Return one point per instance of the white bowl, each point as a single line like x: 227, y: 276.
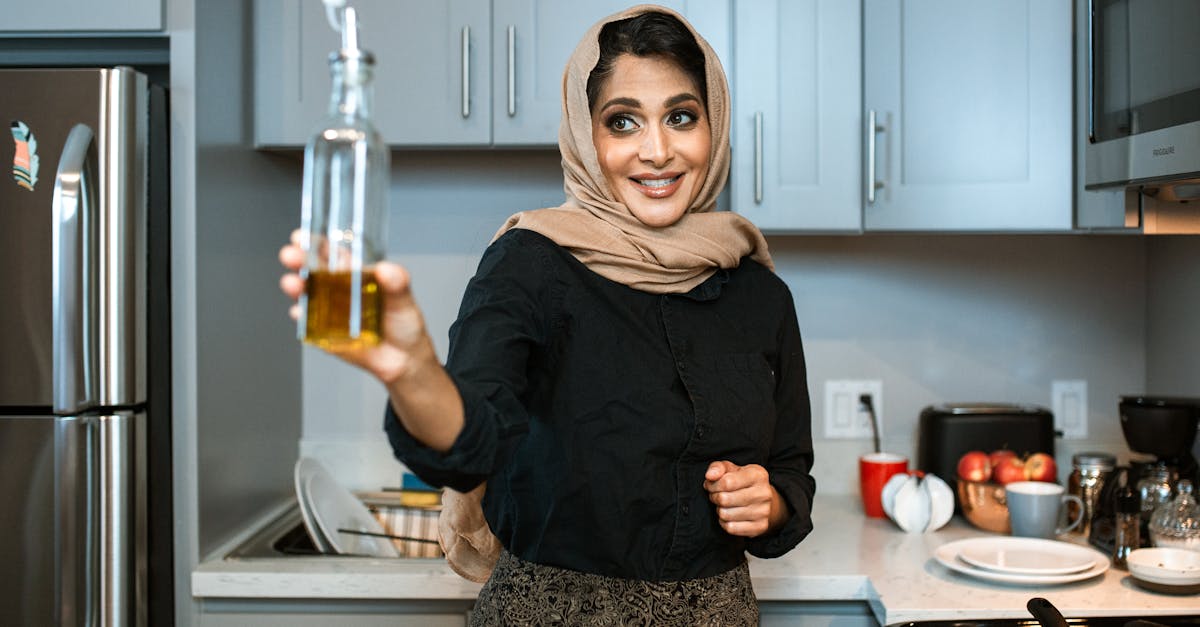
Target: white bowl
x: 1165, y: 565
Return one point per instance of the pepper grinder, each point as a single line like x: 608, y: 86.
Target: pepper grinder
x: 1128, y: 525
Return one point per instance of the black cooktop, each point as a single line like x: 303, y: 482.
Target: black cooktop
x: 1096, y: 621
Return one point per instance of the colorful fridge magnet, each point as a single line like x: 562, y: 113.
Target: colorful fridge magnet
x: 25, y: 160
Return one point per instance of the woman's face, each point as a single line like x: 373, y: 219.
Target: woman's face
x: 652, y: 138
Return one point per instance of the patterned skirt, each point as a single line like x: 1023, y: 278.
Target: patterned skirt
x: 524, y: 593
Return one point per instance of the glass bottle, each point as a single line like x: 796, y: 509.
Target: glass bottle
x: 1154, y: 488
x: 1177, y: 523
x: 1088, y: 474
x: 344, y: 212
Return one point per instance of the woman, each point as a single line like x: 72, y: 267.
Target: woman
x: 626, y: 372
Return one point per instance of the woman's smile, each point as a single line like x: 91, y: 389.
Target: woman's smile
x: 652, y: 138
x: 658, y: 185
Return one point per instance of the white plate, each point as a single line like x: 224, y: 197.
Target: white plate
x: 1165, y: 565
x: 305, y: 468
x: 1027, y: 556
x: 947, y: 555
x: 334, y: 508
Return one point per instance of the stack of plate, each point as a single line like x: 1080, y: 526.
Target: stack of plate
x: 1029, y: 561
x: 335, y: 519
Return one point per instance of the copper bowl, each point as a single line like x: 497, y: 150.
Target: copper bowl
x: 983, y: 505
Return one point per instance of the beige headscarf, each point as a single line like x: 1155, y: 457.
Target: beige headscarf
x: 602, y: 233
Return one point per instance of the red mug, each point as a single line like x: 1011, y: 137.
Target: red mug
x: 874, y: 470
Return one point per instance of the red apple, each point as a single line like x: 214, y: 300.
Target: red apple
x: 1009, y: 470
x: 997, y: 455
x: 1041, y: 467
x: 974, y: 466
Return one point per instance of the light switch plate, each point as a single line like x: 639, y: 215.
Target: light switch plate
x: 1068, y: 401
x: 845, y: 417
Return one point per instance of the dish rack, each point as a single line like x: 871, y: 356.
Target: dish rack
x: 411, y: 517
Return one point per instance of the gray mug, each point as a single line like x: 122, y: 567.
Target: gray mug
x: 1036, y: 507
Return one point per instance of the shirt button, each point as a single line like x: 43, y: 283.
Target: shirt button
x: 684, y: 509
x: 679, y: 364
x: 700, y: 433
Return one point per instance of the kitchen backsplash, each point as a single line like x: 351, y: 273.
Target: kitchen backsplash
x: 936, y: 318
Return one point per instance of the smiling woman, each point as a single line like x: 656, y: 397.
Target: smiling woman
x: 624, y: 403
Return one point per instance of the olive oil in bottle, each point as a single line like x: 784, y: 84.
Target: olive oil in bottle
x: 343, y: 309
x: 344, y: 208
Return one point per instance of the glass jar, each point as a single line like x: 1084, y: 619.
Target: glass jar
x: 1088, y: 474
x: 344, y: 212
x: 1155, y: 487
x: 1177, y: 523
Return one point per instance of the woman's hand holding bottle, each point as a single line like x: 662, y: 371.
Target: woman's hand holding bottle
x: 405, y: 359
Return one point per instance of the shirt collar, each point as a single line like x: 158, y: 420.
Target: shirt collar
x: 710, y: 289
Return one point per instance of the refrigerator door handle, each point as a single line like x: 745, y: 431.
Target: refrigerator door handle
x: 74, y: 276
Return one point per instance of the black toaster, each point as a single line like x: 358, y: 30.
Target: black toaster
x: 949, y: 430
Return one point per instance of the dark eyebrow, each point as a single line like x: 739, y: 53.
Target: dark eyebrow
x: 628, y: 102
x: 680, y: 99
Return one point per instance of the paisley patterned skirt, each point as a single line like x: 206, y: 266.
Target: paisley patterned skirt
x: 524, y: 593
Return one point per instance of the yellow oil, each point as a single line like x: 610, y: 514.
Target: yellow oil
x: 330, y: 310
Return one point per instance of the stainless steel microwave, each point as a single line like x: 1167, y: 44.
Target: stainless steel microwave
x: 1143, y: 97
x: 1143, y: 106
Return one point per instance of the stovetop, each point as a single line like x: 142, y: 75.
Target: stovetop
x: 1100, y: 621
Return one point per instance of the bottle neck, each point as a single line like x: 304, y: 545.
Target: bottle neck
x: 352, y: 95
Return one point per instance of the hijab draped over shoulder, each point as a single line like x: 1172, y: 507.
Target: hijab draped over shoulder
x: 601, y: 232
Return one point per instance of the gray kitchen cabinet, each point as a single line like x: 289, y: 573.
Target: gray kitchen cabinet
x: 815, y: 613
x: 531, y: 41
x: 796, y: 114
x: 509, y: 93
x: 333, y: 613
x: 92, y: 16
x: 432, y: 76
x: 973, y: 111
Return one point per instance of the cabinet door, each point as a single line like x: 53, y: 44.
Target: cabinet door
x: 973, y: 109
x: 425, y: 93
x: 83, y: 16
x: 531, y: 42
x: 796, y: 114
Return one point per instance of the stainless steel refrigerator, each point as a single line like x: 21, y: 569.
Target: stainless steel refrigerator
x: 85, y: 467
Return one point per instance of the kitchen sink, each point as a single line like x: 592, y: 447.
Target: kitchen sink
x: 286, y: 536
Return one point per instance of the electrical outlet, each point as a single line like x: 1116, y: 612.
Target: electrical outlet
x: 1068, y: 401
x: 845, y: 417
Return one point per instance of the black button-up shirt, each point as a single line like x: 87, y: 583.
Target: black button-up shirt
x: 593, y: 410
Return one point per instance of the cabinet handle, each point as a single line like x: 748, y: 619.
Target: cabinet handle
x: 512, y: 70
x: 758, y: 157
x: 872, y: 130
x: 466, y: 71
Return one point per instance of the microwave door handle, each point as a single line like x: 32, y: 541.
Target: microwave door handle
x: 1091, y: 71
x: 74, y: 274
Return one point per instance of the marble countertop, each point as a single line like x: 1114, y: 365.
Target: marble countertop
x: 847, y: 558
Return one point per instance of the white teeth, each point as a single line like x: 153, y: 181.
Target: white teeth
x: 657, y: 182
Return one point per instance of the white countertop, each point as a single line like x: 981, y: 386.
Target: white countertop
x: 848, y: 557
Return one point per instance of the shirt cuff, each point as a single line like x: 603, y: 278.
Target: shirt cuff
x: 463, y: 467
x: 793, y: 531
